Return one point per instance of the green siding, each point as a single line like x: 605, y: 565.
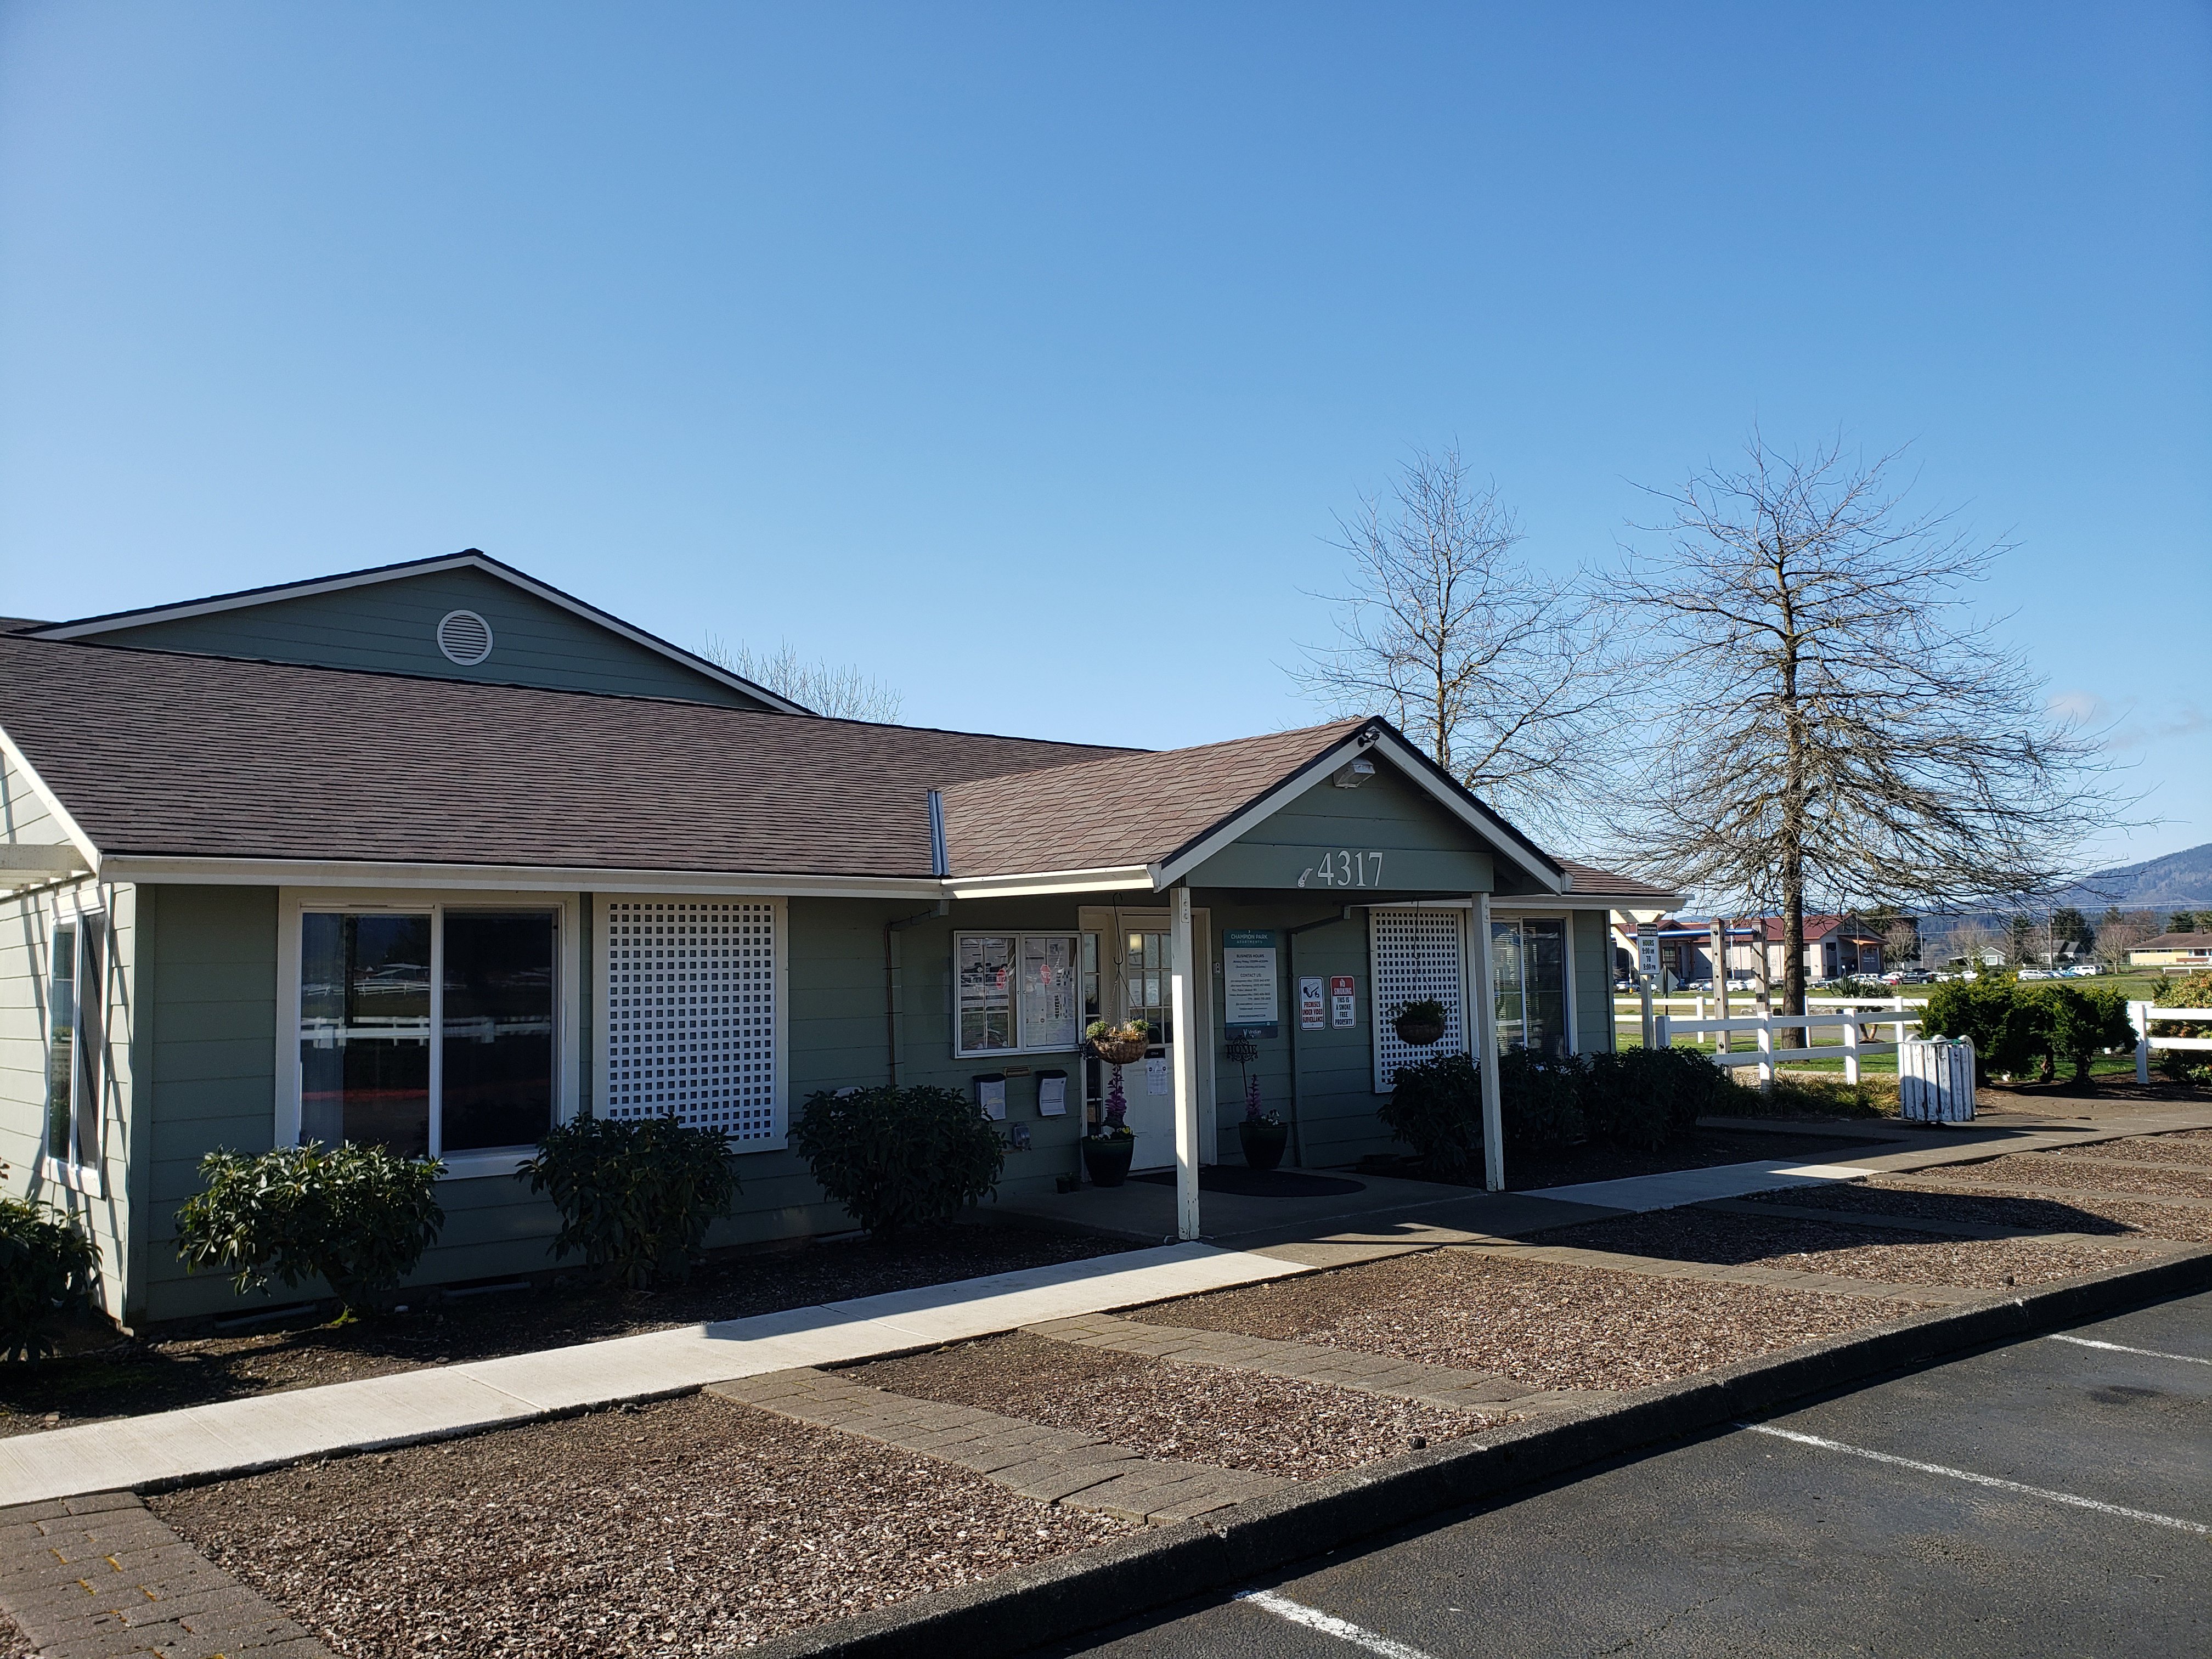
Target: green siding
x: 1594, y: 1032
x: 391, y: 626
x: 1424, y: 849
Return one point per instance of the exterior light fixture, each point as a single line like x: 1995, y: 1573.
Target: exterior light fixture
x: 1352, y: 773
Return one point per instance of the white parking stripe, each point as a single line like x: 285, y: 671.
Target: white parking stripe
x: 1328, y: 1624
x: 2122, y: 1347
x: 1981, y: 1479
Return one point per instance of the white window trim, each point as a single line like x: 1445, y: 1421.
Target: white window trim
x: 1574, y: 1018
x: 780, y: 1088
x: 69, y: 910
x: 294, y: 903
x: 1017, y: 934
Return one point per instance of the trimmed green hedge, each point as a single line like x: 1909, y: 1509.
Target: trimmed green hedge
x: 635, y: 1195
x: 47, y: 1268
x: 899, y: 1158
x: 1639, y: 1097
x: 2021, y: 1029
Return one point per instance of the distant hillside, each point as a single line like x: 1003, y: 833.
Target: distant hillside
x: 2179, y: 881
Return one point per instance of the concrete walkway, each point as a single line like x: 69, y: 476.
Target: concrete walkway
x: 241, y: 1435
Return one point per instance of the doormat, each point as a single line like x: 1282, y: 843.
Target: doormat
x: 1244, y: 1182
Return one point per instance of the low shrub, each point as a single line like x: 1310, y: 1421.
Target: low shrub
x: 1540, y: 1101
x: 898, y: 1158
x: 635, y: 1195
x: 47, y: 1269
x: 1644, y: 1097
x: 2082, y: 1021
x: 2021, y: 1029
x: 2186, y: 1065
x: 1436, y: 1107
x: 1806, y: 1096
x: 357, y: 1217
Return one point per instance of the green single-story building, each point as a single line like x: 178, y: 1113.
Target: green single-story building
x: 437, y: 855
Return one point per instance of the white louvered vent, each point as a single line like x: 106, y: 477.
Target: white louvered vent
x: 464, y: 637
x: 1415, y: 954
x: 692, y: 1022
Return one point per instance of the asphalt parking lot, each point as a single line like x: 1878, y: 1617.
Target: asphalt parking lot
x: 2047, y: 1498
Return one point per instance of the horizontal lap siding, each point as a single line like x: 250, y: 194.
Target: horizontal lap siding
x: 391, y: 626
x: 1594, y: 1033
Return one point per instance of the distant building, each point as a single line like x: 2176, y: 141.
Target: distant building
x: 2173, y: 951
x: 1836, y: 947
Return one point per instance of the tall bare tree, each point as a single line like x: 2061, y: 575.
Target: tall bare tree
x: 827, y: 688
x: 2120, y: 933
x: 1828, y: 713
x: 1501, y: 673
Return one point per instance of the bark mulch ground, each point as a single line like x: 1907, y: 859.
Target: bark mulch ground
x: 1822, y: 1247
x: 1528, y: 1171
x: 2191, y: 1147
x: 2069, y: 1170
x: 14, y: 1645
x: 1550, y: 1327
x: 1960, y: 1202
x: 692, y: 1527
x: 1187, y: 1414
x: 191, y: 1369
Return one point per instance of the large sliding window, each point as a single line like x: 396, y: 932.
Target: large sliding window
x: 431, y: 1032
x: 1529, y: 957
x: 76, y: 995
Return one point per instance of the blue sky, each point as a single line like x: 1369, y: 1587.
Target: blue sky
x: 1025, y: 353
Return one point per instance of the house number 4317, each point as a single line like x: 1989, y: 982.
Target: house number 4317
x: 1345, y: 868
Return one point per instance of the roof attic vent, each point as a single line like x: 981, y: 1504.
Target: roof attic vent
x: 464, y: 637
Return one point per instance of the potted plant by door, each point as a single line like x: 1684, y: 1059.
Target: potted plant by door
x: 1106, y: 1149
x: 1264, y: 1134
x: 1420, y: 1024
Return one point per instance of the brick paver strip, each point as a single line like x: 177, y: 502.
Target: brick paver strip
x: 1480, y: 1392
x: 96, y: 1576
x: 1054, y: 1466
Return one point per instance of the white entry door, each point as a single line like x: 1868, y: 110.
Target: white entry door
x: 1140, y: 985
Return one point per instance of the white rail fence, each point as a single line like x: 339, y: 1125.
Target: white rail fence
x: 2143, y: 1015
x: 1856, y: 1045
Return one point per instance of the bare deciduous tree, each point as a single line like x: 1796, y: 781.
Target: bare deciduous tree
x: 1500, y: 673
x: 1829, y: 717
x: 2120, y: 933
x: 826, y: 687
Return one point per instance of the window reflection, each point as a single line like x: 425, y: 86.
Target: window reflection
x: 496, y: 1031
x: 365, y: 1030
x: 1528, y: 959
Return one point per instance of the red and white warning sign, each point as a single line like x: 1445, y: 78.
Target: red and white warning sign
x: 1343, y: 1012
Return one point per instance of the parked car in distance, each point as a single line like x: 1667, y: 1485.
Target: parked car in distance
x: 2038, y: 973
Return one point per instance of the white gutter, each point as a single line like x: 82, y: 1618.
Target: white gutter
x: 305, y: 872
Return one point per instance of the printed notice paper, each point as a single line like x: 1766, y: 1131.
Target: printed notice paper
x: 1248, y: 982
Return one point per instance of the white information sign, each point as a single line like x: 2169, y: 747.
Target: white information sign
x: 1313, y: 1003
x: 1647, y: 947
x: 1156, y: 1080
x: 1248, y: 982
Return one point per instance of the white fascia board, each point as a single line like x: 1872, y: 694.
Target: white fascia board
x: 1114, y: 879
x: 71, y: 827
x: 511, y: 878
x: 1414, y: 766
x: 1566, y: 901
x: 482, y: 561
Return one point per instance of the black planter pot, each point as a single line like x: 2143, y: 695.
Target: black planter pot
x: 1108, y: 1161
x: 1264, y: 1143
x: 1419, y: 1034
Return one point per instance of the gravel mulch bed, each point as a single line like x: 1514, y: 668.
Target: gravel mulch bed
x: 1527, y: 1171
x: 2069, y: 1170
x: 686, y: 1527
x: 1187, y: 1414
x: 14, y: 1645
x: 2115, y: 1216
x: 2191, y: 1147
x: 124, y: 1379
x: 1822, y: 1247
x: 1550, y: 1327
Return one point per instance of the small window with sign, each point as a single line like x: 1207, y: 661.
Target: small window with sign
x: 1018, y: 993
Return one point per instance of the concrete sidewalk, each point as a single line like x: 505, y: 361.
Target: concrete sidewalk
x: 240, y: 1435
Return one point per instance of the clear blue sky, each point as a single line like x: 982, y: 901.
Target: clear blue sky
x: 1025, y: 354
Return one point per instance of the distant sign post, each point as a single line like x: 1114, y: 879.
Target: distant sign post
x: 1647, y: 968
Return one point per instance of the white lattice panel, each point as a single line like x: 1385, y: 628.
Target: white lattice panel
x: 1414, y: 954
x: 691, y: 987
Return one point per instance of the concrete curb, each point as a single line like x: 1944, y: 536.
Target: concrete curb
x: 1026, y: 1607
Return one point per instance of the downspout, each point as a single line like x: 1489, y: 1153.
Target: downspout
x: 894, y: 989
x: 1297, y: 1129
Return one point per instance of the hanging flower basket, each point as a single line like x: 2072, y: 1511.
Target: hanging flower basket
x: 1419, y: 1024
x: 1120, y: 1045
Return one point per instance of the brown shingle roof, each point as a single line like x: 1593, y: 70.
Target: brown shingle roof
x: 1594, y: 883
x: 2175, y: 942
x: 1127, y: 808
x: 162, y: 754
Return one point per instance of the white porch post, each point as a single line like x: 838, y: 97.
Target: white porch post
x: 1486, y: 1048
x: 1183, y: 1012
